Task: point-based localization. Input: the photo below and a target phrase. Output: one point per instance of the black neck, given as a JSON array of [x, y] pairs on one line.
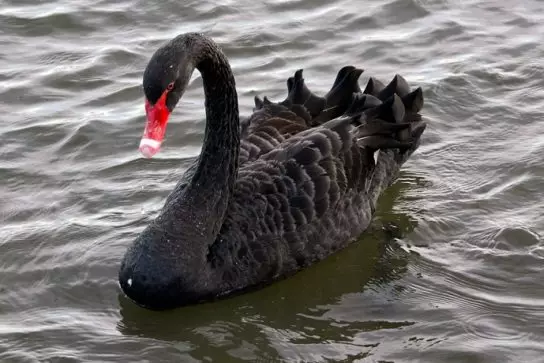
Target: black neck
[[203, 202]]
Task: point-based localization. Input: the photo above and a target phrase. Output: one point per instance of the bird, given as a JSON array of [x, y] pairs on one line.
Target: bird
[[272, 193]]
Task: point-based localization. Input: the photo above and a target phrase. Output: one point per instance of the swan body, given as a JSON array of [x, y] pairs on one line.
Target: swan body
[[268, 195]]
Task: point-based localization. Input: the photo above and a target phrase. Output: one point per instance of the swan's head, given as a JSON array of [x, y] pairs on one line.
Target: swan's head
[[164, 82]]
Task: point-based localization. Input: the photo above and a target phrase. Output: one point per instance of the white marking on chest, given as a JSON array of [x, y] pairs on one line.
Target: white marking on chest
[[129, 282], [376, 154]]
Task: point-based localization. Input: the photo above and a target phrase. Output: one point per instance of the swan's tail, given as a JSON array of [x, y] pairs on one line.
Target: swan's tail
[[389, 129], [386, 116], [382, 126]]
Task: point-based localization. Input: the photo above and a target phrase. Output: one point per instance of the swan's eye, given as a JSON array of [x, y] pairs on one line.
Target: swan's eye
[[170, 86]]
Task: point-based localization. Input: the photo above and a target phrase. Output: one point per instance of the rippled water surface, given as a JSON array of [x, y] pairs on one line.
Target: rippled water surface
[[451, 270]]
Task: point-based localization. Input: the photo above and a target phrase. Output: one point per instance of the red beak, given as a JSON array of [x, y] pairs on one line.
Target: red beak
[[155, 127]]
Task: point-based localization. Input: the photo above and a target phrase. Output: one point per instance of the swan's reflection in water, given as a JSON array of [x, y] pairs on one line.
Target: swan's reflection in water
[[332, 309]]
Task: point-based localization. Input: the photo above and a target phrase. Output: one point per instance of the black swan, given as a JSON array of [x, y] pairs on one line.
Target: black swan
[[268, 195]]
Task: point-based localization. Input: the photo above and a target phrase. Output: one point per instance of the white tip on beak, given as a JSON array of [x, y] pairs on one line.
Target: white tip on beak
[[149, 147]]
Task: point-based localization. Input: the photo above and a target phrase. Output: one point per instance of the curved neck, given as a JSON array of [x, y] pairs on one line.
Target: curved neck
[[203, 201]]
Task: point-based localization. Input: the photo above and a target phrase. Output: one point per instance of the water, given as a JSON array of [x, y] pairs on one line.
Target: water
[[451, 270]]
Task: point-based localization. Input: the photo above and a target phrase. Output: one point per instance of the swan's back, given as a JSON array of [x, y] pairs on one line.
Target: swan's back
[[308, 181]]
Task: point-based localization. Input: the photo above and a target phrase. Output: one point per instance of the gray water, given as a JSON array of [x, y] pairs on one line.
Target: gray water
[[450, 271]]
